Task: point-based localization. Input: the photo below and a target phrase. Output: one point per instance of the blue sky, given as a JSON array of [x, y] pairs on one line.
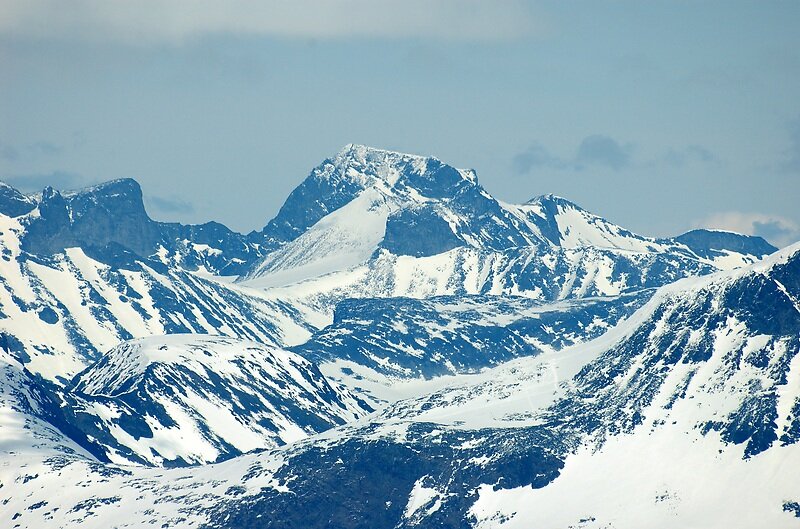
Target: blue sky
[[659, 116]]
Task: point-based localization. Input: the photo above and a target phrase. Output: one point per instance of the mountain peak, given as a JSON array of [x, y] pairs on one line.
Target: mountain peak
[[338, 180], [554, 200], [703, 241], [12, 202], [366, 152], [92, 217], [120, 186], [367, 166], [394, 166], [123, 192]]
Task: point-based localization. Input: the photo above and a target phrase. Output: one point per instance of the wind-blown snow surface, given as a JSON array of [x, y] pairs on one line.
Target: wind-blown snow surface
[[684, 414], [179, 399]]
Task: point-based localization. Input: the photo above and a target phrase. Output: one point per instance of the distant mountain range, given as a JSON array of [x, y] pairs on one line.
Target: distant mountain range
[[396, 348]]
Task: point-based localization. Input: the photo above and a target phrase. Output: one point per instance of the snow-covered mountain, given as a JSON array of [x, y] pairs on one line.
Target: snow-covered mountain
[[101, 218], [698, 386], [418, 206], [527, 364], [84, 270], [724, 245], [378, 223], [60, 312], [725, 345], [696, 411], [188, 399], [685, 414], [375, 344]]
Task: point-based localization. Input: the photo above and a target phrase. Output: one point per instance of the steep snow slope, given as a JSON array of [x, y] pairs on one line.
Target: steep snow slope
[[188, 399], [567, 225], [391, 196], [345, 238], [26, 425], [446, 197]]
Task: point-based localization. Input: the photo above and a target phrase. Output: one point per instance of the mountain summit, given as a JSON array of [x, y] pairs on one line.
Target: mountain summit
[[340, 179], [365, 208], [109, 220]]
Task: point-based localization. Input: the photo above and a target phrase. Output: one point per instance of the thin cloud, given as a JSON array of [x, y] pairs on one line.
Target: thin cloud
[[689, 155], [175, 21], [593, 151], [792, 162], [603, 150], [170, 205], [599, 150], [43, 148], [778, 230], [9, 153], [37, 182], [534, 157], [32, 151]]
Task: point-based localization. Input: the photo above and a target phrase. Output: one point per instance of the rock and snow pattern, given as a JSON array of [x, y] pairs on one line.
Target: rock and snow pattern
[[188, 399], [395, 349], [412, 226]]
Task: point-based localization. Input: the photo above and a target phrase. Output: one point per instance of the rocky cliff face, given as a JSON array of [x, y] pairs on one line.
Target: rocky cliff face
[[112, 212], [715, 242], [110, 219]]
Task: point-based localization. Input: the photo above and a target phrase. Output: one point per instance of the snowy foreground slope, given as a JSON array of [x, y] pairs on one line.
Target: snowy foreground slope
[[697, 415], [686, 414], [396, 348], [178, 399]]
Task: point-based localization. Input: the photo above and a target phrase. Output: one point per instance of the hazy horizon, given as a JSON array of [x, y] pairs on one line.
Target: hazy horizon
[[661, 118]]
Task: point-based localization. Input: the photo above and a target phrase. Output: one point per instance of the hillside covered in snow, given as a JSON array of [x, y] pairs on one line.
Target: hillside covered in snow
[[396, 348]]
